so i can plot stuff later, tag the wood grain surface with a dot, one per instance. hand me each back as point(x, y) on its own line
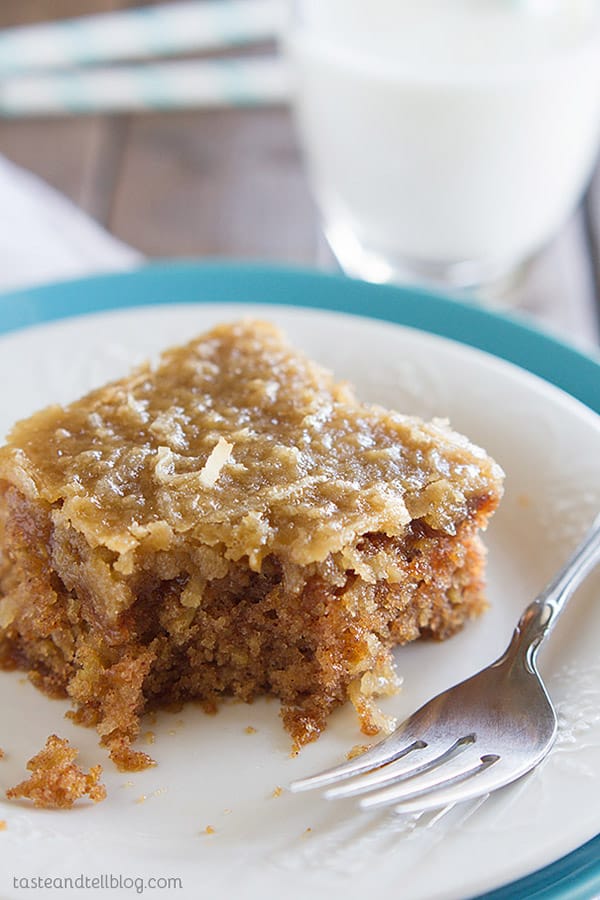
point(231, 183)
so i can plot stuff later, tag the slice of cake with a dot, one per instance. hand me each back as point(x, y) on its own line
point(232, 522)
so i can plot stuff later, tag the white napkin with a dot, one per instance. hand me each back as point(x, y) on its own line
point(44, 237)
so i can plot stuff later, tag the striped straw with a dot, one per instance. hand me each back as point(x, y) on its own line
point(167, 85)
point(161, 30)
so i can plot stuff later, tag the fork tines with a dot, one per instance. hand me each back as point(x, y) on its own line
point(417, 774)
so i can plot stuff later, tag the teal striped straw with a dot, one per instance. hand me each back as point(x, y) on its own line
point(182, 84)
point(161, 30)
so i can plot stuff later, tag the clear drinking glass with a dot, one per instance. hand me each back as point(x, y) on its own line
point(446, 140)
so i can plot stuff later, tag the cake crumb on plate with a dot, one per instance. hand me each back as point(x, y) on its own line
point(357, 750)
point(56, 782)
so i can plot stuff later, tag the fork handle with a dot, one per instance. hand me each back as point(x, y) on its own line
point(542, 614)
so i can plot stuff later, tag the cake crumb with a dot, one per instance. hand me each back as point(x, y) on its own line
point(277, 792)
point(2, 825)
point(306, 832)
point(127, 784)
point(1, 753)
point(150, 737)
point(56, 782)
point(226, 812)
point(128, 760)
point(142, 798)
point(357, 750)
point(250, 729)
point(210, 830)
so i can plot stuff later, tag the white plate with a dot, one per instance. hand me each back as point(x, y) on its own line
point(211, 772)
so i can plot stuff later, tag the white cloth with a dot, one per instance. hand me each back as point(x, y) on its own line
point(44, 237)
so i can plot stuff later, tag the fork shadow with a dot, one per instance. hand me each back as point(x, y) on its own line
point(347, 841)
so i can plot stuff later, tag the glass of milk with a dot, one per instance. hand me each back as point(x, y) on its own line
point(446, 140)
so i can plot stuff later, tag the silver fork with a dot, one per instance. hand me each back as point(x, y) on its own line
point(480, 734)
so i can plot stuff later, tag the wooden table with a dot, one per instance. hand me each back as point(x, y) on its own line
point(230, 183)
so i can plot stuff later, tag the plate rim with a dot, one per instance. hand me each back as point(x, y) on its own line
point(504, 335)
point(508, 335)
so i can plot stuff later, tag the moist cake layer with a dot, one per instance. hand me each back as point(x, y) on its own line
point(231, 521)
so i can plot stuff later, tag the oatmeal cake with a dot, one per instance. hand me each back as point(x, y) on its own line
point(232, 521)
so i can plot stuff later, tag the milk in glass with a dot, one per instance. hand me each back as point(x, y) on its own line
point(449, 139)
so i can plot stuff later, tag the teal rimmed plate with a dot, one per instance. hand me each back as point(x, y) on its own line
point(422, 350)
